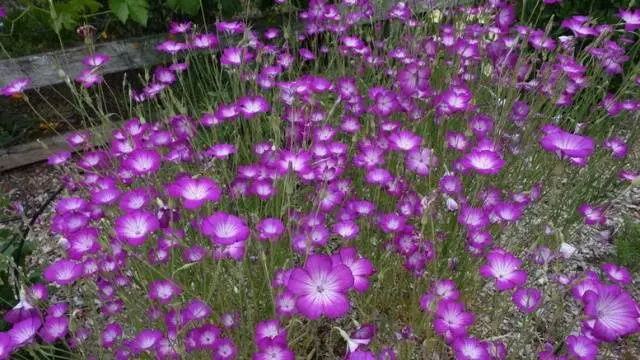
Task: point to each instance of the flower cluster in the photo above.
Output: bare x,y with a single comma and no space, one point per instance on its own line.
274,192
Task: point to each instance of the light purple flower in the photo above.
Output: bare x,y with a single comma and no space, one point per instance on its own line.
451,319
270,229
617,273
89,78
505,269
195,192
63,272
483,162
361,268
581,347
134,227
631,17
54,328
15,87
612,311
224,229
143,161
163,291
469,348
321,288
567,144
6,345
526,299
24,332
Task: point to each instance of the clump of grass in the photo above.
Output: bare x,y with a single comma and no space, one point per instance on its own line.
627,245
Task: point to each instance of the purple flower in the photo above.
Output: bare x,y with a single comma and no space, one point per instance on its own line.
250,106
225,349
526,299
469,348
180,27
592,215
321,288
617,146
484,162
24,332
143,162
89,78
567,144
230,27
268,349
146,340
171,47
6,345
59,158
96,60
163,291
403,140
63,272
3,13
581,347
631,17
361,268
612,311
270,229
15,87
54,328
505,268
451,319
134,227
224,229
195,192
616,273
271,330
204,41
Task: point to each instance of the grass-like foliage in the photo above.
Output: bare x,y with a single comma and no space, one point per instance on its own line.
402,189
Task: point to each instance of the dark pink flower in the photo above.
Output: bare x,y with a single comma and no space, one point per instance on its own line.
163,291
63,272
612,311
134,227
505,269
15,87
581,347
224,229
361,268
526,299
321,288
195,192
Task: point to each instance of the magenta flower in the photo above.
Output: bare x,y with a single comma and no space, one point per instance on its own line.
361,268
54,328
171,47
505,268
581,347
180,27
15,87
63,272
24,332
6,345
269,349
526,299
96,60
567,144
224,229
59,158
469,348
473,218
224,349
631,17
451,319
617,146
230,27
484,162
134,227
403,140
250,106
592,215
3,13
163,291
616,273
146,340
195,192
83,241
89,78
321,288
270,229
204,41
612,311
143,162
235,56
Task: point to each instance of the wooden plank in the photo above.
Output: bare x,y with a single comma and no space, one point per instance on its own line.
55,66
40,150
